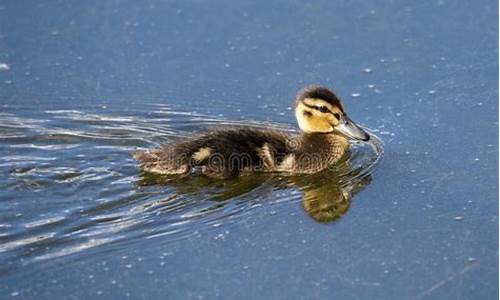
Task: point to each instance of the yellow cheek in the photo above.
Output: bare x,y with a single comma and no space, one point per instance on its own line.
320,125
332,120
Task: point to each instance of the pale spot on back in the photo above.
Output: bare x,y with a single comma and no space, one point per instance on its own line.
202,154
288,163
267,157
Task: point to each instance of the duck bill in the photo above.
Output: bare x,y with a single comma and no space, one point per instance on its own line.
351,130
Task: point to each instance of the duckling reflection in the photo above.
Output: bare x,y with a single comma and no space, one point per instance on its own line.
326,196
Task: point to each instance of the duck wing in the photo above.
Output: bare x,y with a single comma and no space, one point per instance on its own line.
229,149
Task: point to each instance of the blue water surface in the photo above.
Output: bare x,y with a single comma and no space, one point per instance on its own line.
84,84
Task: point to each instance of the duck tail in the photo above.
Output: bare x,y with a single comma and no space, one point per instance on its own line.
160,161
145,156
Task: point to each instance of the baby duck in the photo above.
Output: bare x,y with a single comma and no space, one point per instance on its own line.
224,153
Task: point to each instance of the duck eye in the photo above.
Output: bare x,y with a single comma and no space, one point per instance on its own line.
323,109
337,116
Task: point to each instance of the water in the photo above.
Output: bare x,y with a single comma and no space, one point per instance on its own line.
82,86
99,197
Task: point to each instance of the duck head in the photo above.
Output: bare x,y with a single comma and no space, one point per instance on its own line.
319,110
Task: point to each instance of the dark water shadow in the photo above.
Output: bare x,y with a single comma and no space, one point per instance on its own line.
326,196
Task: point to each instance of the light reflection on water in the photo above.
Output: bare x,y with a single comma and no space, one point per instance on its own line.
77,170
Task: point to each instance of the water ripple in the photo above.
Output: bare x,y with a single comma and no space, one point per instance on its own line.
70,184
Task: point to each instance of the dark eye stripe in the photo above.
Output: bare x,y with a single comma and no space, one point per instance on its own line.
323,109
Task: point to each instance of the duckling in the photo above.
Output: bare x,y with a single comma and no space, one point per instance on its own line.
222,153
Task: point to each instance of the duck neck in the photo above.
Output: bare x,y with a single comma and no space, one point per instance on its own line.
328,145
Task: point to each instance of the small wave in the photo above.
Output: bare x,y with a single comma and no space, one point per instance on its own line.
76,168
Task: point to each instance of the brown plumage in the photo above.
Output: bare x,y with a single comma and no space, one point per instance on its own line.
223,153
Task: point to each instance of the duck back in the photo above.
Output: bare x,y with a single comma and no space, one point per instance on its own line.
220,152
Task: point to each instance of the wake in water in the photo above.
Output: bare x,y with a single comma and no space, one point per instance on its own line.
69,185
326,195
